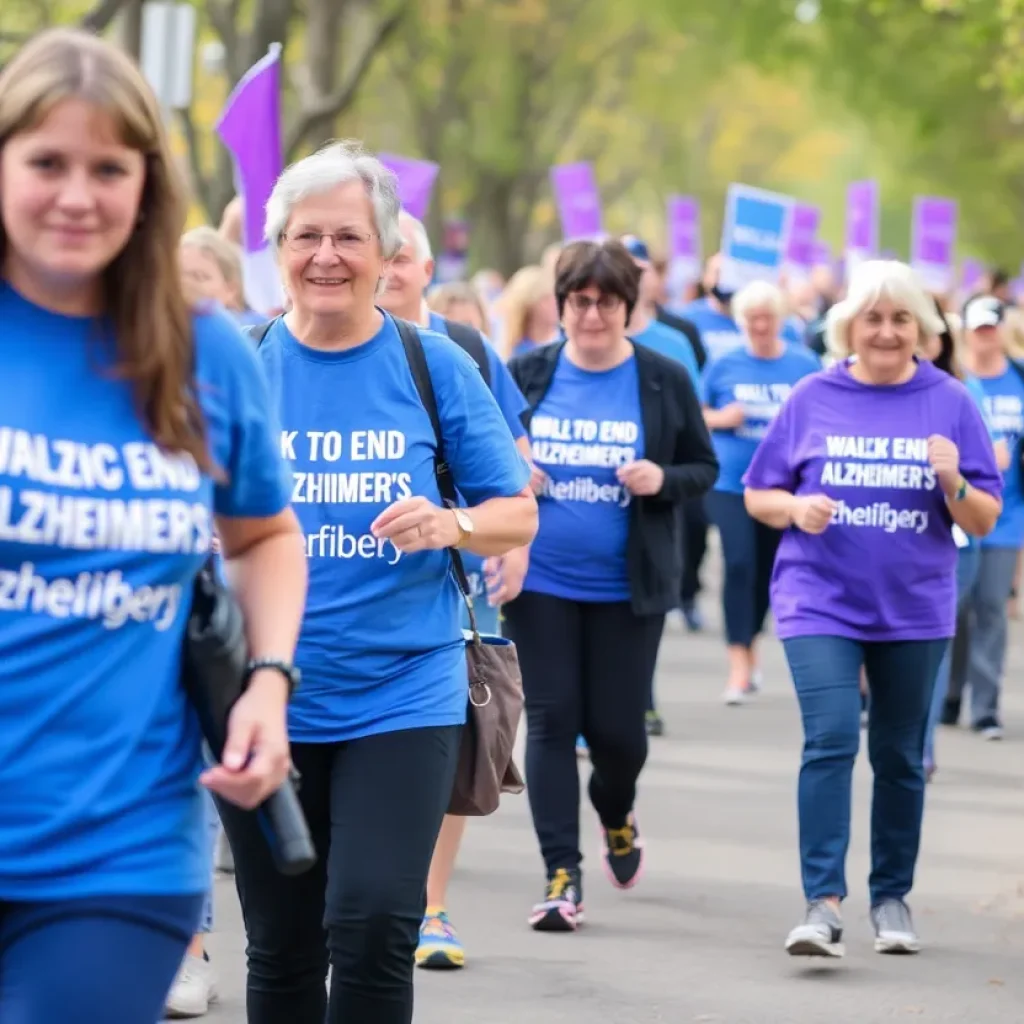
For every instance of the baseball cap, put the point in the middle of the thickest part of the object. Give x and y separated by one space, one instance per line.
636 248
983 311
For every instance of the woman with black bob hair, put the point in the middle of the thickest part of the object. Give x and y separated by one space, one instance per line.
618 443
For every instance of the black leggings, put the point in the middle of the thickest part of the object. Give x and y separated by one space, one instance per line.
586 669
374 807
748 550
694 533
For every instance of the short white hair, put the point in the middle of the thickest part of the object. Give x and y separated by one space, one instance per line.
758 295
420 238
337 164
870 282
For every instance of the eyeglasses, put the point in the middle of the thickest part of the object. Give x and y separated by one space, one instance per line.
343 241
582 304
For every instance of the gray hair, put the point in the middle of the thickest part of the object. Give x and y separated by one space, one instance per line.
758 295
420 238
337 164
874 280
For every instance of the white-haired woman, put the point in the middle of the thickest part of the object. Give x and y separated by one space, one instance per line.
743 390
867 468
375 724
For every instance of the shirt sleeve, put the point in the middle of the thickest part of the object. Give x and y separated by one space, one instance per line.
255 483
977 457
479 447
773 465
506 393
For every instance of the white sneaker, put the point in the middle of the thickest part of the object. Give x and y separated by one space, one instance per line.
734 696
756 681
194 989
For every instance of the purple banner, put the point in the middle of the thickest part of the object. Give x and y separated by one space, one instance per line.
684 227
415 181
862 216
933 241
803 230
578 200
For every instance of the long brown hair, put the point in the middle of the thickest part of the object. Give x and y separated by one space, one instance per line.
143 292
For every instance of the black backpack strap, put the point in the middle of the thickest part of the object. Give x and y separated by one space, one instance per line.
472 343
257 332
417 359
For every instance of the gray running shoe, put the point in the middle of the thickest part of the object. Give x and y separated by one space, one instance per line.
819 934
894 928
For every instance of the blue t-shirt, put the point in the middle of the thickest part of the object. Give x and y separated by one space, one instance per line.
381 647
512 404
719 333
760 386
671 344
101 536
1004 407
586 426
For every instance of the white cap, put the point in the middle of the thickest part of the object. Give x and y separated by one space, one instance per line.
984 311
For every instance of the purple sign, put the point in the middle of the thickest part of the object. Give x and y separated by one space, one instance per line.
972 273
578 200
415 181
933 240
250 127
803 230
684 227
862 216
822 254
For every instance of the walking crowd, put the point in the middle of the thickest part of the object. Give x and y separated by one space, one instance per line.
855 444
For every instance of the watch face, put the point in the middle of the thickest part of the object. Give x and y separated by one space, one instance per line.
465 523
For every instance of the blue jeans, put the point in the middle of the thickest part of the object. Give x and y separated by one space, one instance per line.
212 832
826 674
966 573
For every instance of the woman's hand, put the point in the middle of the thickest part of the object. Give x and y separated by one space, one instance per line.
730 417
505 575
417 524
256 755
944 458
642 478
812 512
538 479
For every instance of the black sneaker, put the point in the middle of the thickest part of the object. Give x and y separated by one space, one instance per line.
623 854
950 714
819 934
561 910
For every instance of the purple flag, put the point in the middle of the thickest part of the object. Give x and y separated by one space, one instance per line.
862 216
971 274
933 240
683 241
578 200
250 127
415 181
803 230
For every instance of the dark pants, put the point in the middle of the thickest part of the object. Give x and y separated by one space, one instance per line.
901 676
92 961
374 808
694 523
748 550
586 671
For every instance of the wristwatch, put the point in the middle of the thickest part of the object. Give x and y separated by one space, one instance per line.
291 674
465 524
961 490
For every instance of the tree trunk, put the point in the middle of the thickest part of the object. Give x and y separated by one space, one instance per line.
130 28
494 242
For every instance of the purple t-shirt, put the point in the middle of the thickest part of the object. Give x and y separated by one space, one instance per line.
885 567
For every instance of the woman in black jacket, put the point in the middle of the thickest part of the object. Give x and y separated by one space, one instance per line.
618 442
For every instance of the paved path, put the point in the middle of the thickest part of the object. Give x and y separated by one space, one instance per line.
701 938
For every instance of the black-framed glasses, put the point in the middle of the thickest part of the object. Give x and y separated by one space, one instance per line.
309 241
582 304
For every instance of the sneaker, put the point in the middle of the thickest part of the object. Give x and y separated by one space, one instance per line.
692 616
224 859
194 990
894 928
655 723
989 728
439 948
950 714
623 854
734 696
755 684
561 910
582 750
819 934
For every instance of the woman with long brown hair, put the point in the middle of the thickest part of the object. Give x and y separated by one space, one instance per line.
132 426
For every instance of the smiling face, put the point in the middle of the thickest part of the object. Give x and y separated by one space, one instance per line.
762 327
70 191
202 271
408 276
330 254
884 336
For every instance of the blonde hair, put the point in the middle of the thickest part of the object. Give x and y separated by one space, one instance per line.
443 296
1013 332
758 295
225 254
526 287
871 281
143 293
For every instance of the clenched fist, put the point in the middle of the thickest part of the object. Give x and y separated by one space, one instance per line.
813 512
944 458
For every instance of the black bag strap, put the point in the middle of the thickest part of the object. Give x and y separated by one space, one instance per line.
472 343
259 331
417 359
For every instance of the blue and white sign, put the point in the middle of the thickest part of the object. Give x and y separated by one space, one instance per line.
755 235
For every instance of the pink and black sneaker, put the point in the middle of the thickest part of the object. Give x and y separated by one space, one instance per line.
562 907
623 854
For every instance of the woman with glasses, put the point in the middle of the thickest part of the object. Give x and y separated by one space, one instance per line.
618 442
